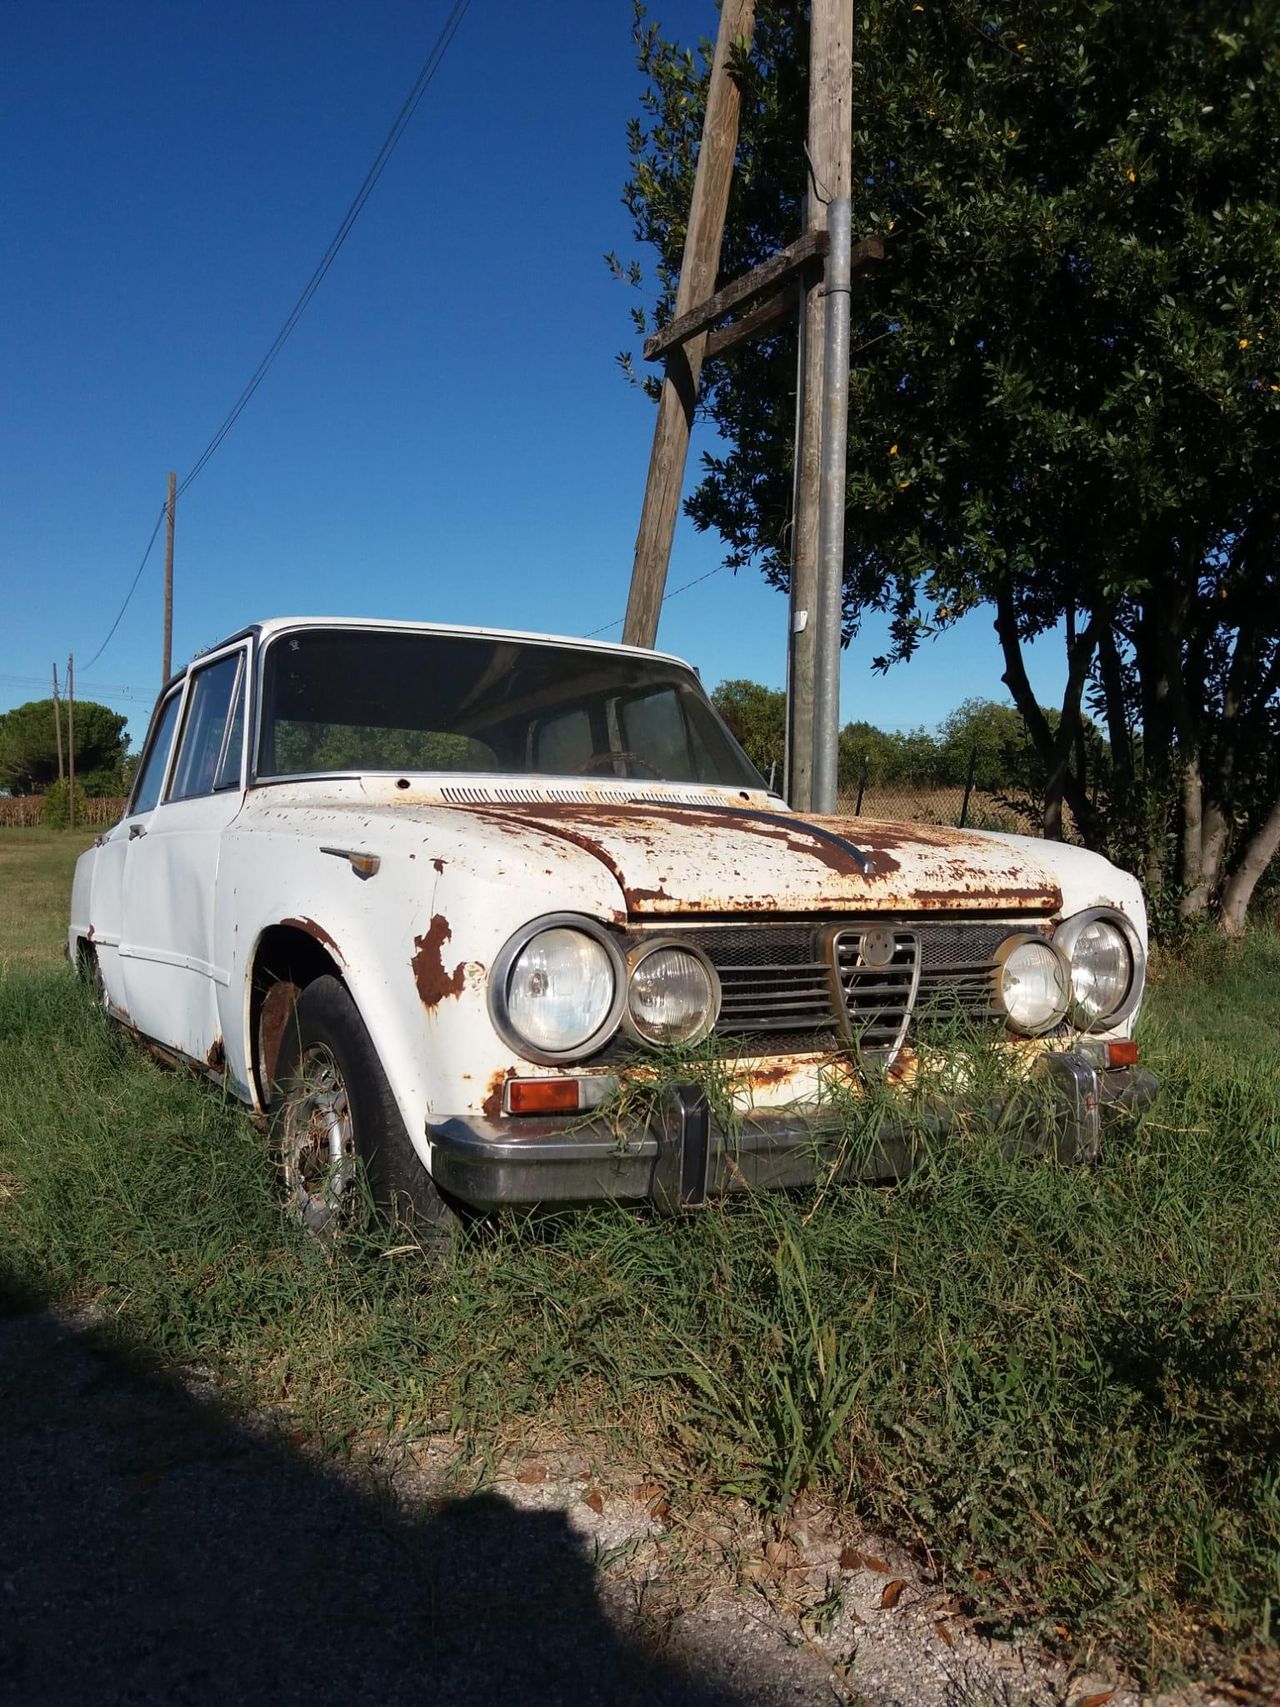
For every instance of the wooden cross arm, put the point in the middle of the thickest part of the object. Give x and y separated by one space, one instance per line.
784 265
777 270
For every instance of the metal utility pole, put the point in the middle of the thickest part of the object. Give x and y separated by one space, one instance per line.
71 741
698 269
168 580
57 723
822 419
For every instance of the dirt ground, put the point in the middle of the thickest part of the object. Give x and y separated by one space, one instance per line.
155 1550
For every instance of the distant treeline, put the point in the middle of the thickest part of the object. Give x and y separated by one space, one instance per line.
980 732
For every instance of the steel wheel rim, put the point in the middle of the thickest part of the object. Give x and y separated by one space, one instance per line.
319 1151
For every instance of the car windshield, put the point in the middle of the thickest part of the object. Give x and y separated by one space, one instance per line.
369 700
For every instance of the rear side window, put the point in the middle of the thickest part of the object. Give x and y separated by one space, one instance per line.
233 747
151 771
204 729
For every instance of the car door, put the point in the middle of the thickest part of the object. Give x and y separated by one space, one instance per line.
106 901
171 968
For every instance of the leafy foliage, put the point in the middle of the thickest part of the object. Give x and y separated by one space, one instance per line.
55 807
1065 398
992 736
29 748
758 718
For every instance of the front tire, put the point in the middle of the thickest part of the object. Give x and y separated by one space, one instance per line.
337 1131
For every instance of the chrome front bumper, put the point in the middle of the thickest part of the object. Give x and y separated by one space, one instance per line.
682 1158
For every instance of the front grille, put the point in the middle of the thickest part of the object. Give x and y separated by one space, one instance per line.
778 981
877 967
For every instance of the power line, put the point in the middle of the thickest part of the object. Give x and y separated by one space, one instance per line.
133 587
409 106
674 593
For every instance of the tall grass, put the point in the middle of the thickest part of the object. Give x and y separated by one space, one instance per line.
1061 1385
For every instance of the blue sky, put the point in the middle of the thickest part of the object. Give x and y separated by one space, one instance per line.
445 436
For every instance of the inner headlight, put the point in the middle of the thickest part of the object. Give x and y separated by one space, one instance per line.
673 996
556 991
1105 958
1034 985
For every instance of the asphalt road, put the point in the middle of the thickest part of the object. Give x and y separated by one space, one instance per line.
154 1551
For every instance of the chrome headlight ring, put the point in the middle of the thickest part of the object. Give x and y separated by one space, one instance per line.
506 963
1057 963
1068 935
671 945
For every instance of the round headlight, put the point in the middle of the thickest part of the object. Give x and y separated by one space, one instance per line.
1105 958
1033 985
674 995
556 991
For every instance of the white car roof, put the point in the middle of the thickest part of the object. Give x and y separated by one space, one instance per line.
277 624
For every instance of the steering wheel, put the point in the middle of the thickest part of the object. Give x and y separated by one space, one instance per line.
595 760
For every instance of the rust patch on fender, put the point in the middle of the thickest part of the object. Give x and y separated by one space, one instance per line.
492 1104
277 1006
217 1056
317 931
429 974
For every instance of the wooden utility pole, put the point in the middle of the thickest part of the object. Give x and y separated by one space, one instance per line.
71 741
831 174
57 723
698 269
168 579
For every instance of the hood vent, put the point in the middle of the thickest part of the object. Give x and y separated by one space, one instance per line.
472 795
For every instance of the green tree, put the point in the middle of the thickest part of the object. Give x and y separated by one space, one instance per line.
758 718
29 747
1065 398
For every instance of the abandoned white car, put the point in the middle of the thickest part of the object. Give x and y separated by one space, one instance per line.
438 900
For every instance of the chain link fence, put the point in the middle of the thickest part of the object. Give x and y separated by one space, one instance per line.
921 799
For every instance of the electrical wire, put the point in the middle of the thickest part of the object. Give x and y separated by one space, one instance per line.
409 106
674 593
133 587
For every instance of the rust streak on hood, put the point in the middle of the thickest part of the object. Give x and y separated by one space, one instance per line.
678 860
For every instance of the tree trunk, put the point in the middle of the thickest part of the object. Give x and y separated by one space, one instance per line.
1196 897
1113 696
1054 751
1258 855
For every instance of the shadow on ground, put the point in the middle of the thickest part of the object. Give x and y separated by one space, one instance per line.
154 1551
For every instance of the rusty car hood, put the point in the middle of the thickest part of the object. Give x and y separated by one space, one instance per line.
681 859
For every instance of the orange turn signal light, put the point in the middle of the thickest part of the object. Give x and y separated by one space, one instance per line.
542 1096
1123 1054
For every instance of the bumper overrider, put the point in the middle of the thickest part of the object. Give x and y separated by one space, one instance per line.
683 1157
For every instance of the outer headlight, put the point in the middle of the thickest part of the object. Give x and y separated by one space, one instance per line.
1107 967
556 991
1034 984
673 996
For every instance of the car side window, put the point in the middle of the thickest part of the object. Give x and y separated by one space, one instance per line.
151 771
203 728
233 748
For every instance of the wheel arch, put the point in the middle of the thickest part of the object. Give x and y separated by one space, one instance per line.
286 958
